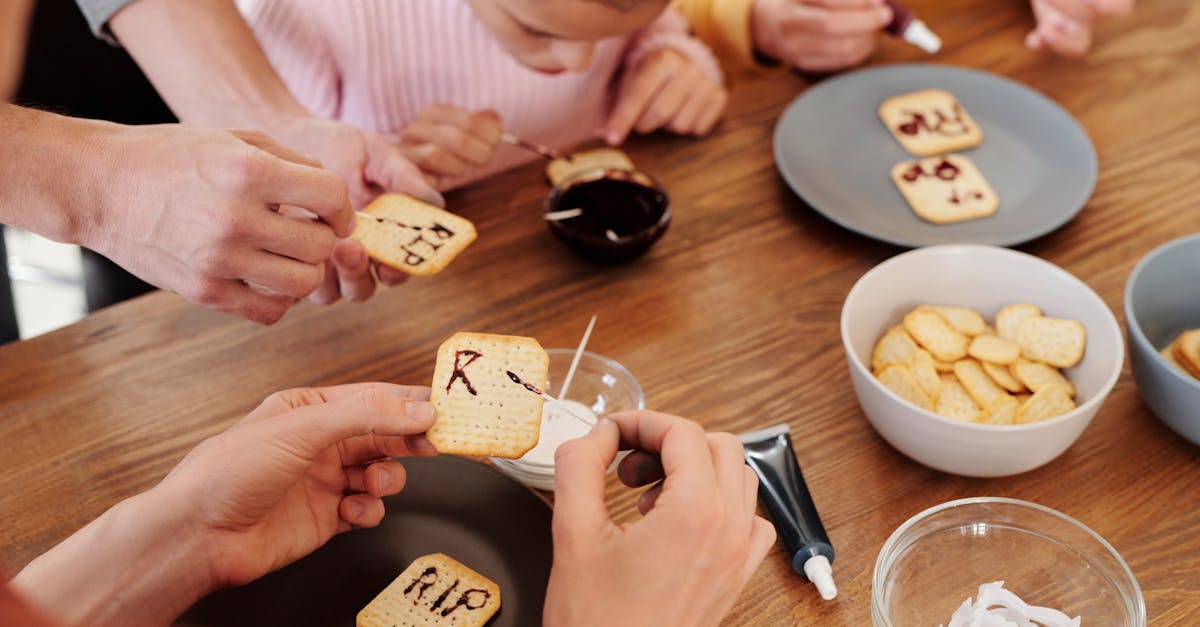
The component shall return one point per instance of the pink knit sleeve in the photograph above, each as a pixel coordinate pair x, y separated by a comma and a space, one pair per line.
670, 30
290, 32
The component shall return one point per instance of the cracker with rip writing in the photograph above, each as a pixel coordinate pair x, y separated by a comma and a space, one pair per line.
563, 167
929, 122
945, 189
434, 591
484, 406
412, 236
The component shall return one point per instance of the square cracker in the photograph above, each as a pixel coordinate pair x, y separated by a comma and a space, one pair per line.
994, 349
954, 402
481, 410
1055, 341
945, 189
434, 590
412, 236
900, 380
1187, 351
935, 334
1036, 375
1010, 317
563, 167
929, 122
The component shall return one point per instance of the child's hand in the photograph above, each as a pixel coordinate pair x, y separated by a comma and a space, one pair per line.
445, 141
1065, 26
666, 90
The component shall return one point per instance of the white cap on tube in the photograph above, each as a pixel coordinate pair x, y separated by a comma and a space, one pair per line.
919, 35
820, 572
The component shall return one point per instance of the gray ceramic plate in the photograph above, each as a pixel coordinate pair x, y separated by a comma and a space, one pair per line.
834, 151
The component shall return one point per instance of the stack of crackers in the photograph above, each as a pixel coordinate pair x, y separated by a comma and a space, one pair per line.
948, 360
942, 188
1184, 352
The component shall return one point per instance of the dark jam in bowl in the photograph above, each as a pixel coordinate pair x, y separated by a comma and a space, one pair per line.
624, 213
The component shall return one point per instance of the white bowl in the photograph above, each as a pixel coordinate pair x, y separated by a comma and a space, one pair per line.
985, 278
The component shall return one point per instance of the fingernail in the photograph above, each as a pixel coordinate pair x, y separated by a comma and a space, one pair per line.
355, 510
602, 424
385, 480
612, 137
421, 410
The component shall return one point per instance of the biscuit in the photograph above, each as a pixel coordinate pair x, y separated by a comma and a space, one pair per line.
562, 167
933, 333
412, 236
994, 349
1003, 377
1035, 376
1004, 412
929, 122
954, 402
481, 408
896, 346
1187, 351
1046, 403
964, 319
945, 189
926, 374
898, 379
1055, 341
1009, 318
982, 389
434, 590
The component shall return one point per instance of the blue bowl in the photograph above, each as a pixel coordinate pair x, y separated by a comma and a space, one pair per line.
1162, 299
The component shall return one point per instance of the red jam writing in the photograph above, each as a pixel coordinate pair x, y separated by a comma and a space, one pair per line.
519, 381
471, 598
418, 250
942, 124
460, 369
944, 170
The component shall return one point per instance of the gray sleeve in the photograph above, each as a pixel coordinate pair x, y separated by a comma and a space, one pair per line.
98, 12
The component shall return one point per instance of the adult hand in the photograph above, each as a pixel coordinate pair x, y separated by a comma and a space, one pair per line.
446, 141
196, 211
818, 35
687, 559
371, 164
665, 90
1065, 26
303, 466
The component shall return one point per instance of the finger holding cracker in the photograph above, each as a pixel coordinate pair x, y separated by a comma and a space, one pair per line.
484, 406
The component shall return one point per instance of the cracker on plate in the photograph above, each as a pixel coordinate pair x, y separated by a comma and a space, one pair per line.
930, 122
484, 406
945, 189
434, 590
412, 236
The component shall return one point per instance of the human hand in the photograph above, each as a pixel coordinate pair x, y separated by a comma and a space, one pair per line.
197, 212
1065, 26
371, 164
685, 562
303, 466
818, 35
665, 90
446, 141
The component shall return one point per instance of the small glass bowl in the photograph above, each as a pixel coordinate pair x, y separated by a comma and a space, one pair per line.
610, 247
940, 557
600, 383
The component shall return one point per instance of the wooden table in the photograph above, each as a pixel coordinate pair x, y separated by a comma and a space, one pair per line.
732, 319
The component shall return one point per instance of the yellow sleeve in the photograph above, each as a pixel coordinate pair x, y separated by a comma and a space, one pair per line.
725, 26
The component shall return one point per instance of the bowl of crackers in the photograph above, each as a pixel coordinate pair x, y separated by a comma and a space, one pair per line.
1162, 317
977, 360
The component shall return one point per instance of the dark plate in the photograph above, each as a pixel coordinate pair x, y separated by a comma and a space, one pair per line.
833, 151
449, 505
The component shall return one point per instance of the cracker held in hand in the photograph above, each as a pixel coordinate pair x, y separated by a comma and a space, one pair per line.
929, 122
479, 390
945, 189
563, 167
434, 590
412, 236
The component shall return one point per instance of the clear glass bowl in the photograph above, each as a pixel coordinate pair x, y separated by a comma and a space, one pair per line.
939, 558
600, 383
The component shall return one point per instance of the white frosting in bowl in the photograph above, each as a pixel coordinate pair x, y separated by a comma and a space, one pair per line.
996, 607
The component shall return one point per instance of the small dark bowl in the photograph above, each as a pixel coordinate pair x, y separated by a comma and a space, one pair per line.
625, 212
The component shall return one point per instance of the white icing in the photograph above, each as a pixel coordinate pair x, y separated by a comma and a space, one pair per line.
996, 607
558, 427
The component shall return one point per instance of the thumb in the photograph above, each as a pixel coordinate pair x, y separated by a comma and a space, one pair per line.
579, 469
308, 431
389, 170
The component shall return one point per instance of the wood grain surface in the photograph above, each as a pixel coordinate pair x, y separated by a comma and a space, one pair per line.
731, 319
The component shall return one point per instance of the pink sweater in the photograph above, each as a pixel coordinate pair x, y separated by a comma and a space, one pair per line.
376, 64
